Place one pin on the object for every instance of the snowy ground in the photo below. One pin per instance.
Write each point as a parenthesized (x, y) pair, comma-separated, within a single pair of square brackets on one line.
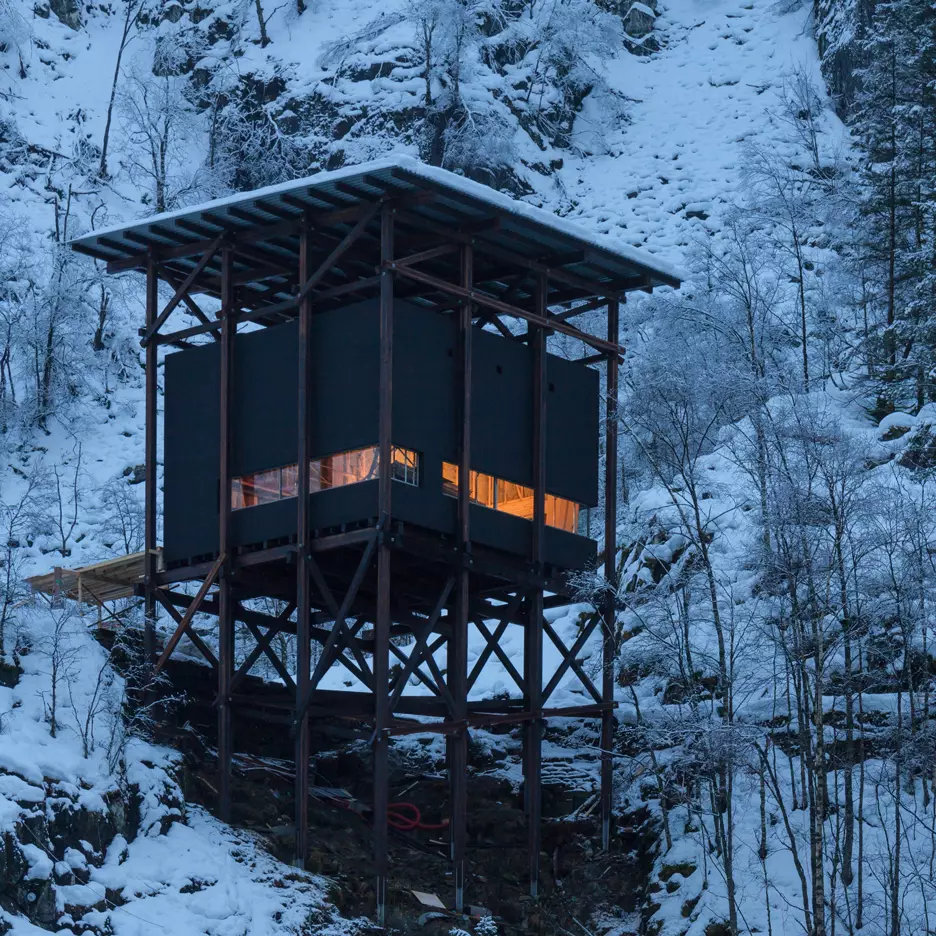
[(183, 873), (713, 88)]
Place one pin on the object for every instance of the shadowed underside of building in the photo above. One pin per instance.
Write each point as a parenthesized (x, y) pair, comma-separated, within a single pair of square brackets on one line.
[(358, 433)]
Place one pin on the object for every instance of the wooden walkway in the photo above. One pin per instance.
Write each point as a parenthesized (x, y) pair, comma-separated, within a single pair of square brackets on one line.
[(97, 583)]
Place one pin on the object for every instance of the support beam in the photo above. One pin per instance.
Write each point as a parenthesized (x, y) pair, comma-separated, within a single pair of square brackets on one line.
[(150, 568), (384, 556), (539, 318), (608, 646), (533, 647), (182, 290), (184, 622), (457, 675), (225, 541), (303, 556)]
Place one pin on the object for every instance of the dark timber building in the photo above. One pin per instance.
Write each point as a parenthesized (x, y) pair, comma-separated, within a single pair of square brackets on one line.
[(358, 433)]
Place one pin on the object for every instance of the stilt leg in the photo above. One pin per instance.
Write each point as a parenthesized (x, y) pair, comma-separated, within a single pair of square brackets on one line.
[(303, 595), (608, 642), (225, 599), (458, 742), (382, 623)]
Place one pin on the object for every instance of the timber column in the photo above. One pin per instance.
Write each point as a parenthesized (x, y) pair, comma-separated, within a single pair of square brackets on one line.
[(383, 623), (533, 644), (149, 506), (225, 598), (457, 675), (303, 545), (609, 609)]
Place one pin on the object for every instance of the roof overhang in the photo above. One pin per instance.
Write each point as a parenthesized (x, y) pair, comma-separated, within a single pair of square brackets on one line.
[(515, 246)]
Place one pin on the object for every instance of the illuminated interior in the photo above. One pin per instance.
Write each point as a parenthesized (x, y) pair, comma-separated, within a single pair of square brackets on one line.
[(511, 498), (343, 468)]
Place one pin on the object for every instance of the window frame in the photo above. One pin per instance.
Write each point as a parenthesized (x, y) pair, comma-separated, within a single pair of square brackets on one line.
[(410, 475)]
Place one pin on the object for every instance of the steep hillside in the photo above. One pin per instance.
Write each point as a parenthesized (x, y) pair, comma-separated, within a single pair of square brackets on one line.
[(681, 127)]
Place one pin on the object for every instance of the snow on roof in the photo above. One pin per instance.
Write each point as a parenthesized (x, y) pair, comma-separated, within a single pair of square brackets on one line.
[(413, 167)]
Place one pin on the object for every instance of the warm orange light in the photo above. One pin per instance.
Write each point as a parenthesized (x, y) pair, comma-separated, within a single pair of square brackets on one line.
[(515, 499), (264, 487)]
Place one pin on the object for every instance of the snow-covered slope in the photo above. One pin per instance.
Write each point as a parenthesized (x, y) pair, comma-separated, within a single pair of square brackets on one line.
[(658, 171), (716, 87)]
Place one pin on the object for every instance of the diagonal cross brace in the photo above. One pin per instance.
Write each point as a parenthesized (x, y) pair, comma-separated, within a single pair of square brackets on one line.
[(263, 646), (501, 655), (183, 288), (193, 306), (436, 685), (421, 646), (503, 620), (186, 618), (340, 613), (337, 253), (200, 644), (569, 658)]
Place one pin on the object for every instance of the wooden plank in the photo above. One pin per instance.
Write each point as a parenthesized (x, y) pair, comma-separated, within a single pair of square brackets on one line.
[(243, 235)]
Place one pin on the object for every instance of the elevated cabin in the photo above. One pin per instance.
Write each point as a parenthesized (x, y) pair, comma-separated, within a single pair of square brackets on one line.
[(344, 430), (372, 430)]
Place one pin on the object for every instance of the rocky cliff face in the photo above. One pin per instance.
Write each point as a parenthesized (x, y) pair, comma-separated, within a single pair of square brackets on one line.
[(840, 25)]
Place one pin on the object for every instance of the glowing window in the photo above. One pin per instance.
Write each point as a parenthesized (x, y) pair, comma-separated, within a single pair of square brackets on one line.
[(343, 469), (339, 470), (515, 499), (260, 488), (404, 466)]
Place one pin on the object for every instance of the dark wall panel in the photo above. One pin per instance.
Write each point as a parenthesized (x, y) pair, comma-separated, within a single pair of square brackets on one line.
[(345, 368), (572, 431), (191, 440), (264, 434)]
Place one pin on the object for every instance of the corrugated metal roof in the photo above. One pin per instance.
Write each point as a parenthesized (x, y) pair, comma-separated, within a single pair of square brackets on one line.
[(432, 206)]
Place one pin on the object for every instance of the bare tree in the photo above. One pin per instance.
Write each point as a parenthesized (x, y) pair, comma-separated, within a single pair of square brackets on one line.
[(67, 494), (123, 521), (19, 522), (159, 125), (62, 654), (132, 10)]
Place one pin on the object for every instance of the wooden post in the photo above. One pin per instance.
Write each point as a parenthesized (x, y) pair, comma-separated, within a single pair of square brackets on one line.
[(303, 594), (533, 645), (608, 612), (149, 459), (382, 623), (225, 599), (457, 675)]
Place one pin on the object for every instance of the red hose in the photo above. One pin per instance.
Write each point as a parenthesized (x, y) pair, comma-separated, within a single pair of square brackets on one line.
[(406, 817)]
